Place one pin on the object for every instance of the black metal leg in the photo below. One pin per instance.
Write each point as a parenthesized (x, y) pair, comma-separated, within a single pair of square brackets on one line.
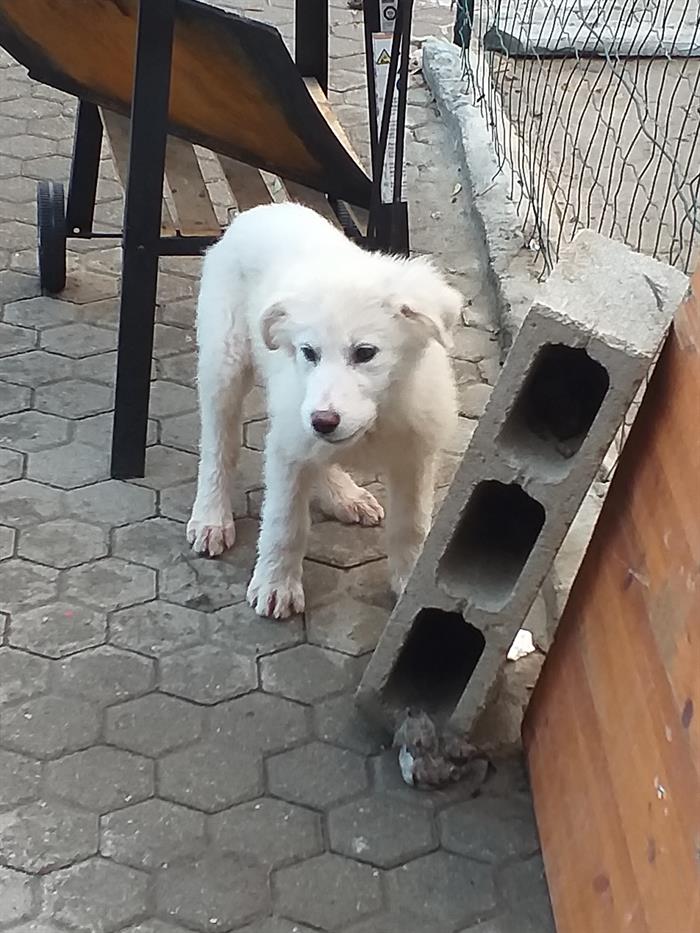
[(311, 40), (149, 129), (391, 228), (85, 169)]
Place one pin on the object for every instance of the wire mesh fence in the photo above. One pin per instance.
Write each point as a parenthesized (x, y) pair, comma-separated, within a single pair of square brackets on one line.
[(594, 108)]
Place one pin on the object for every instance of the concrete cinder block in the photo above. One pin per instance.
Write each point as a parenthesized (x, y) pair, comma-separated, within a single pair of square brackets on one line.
[(575, 366)]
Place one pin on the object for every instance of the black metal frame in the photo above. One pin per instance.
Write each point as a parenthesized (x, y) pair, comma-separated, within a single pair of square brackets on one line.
[(142, 242)]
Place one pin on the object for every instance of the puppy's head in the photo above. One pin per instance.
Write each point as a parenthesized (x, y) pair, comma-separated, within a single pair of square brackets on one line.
[(352, 338)]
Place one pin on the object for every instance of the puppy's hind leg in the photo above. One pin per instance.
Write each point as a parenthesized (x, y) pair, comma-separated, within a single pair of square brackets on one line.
[(224, 377), (339, 497)]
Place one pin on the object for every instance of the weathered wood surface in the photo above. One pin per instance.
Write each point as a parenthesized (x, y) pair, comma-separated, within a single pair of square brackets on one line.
[(613, 730)]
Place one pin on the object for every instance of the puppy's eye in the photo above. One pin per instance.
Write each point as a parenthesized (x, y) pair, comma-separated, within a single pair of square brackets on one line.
[(364, 353), (309, 354)]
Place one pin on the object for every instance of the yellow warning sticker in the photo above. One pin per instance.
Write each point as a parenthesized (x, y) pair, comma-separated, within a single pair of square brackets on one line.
[(384, 58)]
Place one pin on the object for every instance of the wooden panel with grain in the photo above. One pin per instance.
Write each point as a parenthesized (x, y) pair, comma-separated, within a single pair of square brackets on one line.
[(612, 734)]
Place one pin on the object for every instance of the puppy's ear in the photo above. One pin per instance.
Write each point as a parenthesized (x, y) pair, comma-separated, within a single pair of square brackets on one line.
[(271, 324), (431, 304)]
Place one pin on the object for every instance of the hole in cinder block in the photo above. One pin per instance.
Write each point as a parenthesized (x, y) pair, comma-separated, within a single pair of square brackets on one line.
[(491, 545), (557, 405), (435, 663)]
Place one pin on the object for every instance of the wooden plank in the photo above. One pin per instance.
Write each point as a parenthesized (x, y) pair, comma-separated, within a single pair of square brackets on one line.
[(612, 733), (313, 199), (323, 104), (195, 214), (246, 184), (117, 129)]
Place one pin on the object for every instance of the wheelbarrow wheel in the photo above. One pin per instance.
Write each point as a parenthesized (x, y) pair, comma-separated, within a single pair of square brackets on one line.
[(51, 226)]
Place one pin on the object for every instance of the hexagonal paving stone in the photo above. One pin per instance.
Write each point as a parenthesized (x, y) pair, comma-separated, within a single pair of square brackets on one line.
[(19, 779), (215, 893), (169, 398), (157, 628), (58, 629), (176, 501), (166, 466), (275, 925), (153, 724), (101, 778), (73, 398), (78, 340), (21, 675), (209, 585), (104, 674), (181, 368), (16, 896), (255, 433), (14, 398), (402, 921), (7, 542), (343, 545), (34, 368), (151, 834), (170, 341), (308, 673), (112, 502), (109, 584), (157, 542), (523, 888), (27, 147), (11, 465), (24, 584), (39, 312), (210, 775), (339, 722), (490, 829), (31, 431), (381, 830), (155, 926), (239, 628), (97, 430), (25, 503), (63, 543), (270, 831), (49, 725), (327, 891), (455, 889), (69, 465), (182, 432), (102, 368), (43, 836), (316, 775), (260, 723), (97, 895), (206, 674), (15, 339), (346, 625)]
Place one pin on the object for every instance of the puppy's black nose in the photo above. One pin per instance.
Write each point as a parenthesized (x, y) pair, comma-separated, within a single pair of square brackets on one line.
[(325, 422)]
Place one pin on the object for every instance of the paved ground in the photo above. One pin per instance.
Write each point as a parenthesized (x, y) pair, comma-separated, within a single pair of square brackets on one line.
[(163, 753)]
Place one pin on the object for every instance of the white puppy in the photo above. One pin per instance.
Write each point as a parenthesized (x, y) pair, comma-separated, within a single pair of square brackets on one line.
[(351, 347)]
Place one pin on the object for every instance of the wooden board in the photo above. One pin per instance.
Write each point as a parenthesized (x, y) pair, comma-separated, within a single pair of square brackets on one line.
[(117, 130), (195, 214), (612, 734), (234, 88)]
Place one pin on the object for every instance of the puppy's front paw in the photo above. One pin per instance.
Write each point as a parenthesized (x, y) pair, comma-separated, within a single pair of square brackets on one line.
[(211, 538), (276, 598), (360, 509)]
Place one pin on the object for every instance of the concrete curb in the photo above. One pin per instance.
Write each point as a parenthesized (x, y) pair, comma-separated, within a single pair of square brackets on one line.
[(511, 264)]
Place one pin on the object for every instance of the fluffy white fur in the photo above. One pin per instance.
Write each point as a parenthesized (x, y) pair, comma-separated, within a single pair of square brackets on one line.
[(287, 295)]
